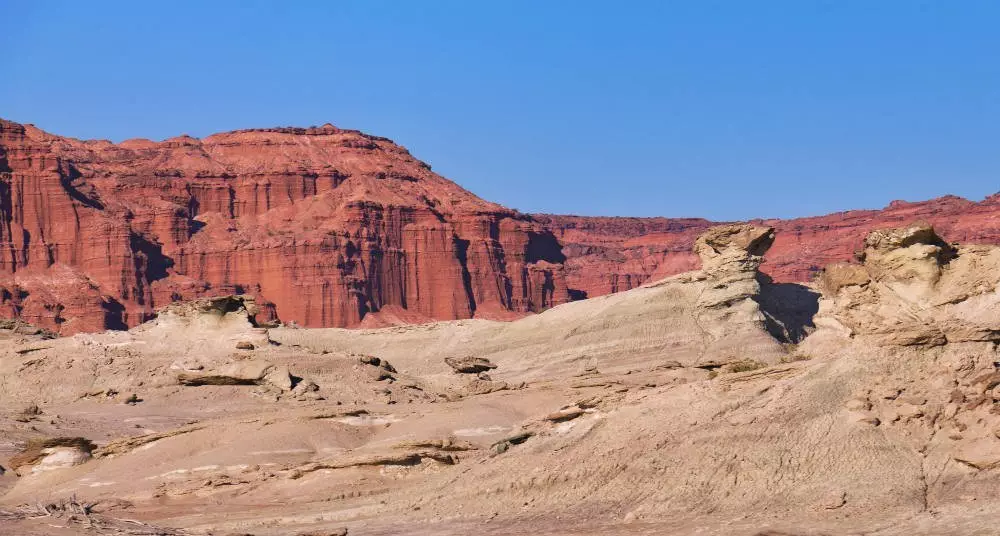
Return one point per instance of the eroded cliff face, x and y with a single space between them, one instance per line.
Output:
323 226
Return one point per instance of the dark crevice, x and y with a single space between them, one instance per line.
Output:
67 181
462 252
217 380
576 294
544 247
114 314
149 258
548 290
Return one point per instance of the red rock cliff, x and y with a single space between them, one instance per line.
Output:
333 227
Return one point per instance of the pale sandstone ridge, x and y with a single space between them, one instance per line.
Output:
913 288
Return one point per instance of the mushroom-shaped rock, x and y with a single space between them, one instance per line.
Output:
727 306
730 256
734 248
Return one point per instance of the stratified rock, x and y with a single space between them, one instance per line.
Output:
324 226
243 372
50 454
730 256
469 365
906 257
733 249
565 414
128 444
728 304
332 227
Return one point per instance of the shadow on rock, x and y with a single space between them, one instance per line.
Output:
788 308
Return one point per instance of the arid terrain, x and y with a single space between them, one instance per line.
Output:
509 268
716 401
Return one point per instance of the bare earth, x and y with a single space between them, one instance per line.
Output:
713 402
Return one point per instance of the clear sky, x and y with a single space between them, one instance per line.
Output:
721 109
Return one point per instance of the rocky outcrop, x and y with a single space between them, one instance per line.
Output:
727 305
327 227
731 255
219 312
913 288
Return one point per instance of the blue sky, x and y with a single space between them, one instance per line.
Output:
720 109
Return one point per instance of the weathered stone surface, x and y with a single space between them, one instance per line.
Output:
50 454
469 364
243 372
914 289
729 303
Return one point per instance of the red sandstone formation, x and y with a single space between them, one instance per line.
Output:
605 255
328 225
332 227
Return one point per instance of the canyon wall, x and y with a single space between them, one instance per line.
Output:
333 227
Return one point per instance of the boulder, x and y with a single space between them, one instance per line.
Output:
908 258
469 365
51 454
